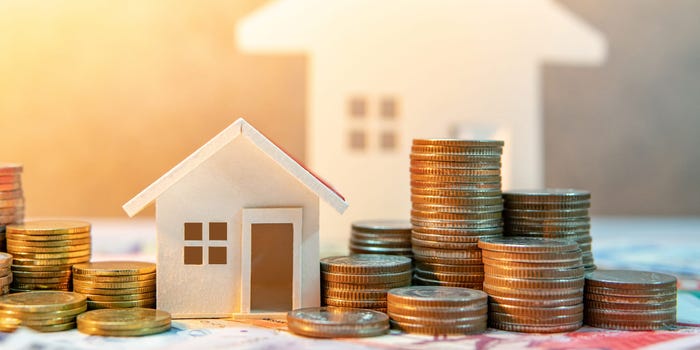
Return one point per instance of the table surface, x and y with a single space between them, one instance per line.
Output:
658 244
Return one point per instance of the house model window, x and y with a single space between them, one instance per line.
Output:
195 243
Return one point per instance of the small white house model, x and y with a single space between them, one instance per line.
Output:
384 72
238 229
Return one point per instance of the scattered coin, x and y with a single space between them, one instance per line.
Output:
131 322
337 322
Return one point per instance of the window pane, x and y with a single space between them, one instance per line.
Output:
357 140
193 255
388 140
217 255
217 231
193 231
388 108
357 107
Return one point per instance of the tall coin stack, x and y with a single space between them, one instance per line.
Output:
630 300
11 198
456 200
437 310
551 213
43 311
44 251
116 284
388 237
5 273
535 285
361 281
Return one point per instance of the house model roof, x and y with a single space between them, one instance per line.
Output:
240 128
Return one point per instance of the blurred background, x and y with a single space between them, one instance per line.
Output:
99 98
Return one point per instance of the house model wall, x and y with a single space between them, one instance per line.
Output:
238 229
384 72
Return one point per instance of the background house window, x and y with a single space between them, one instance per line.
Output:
357 107
387 140
195 243
388 108
358 140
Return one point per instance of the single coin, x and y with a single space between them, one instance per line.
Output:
384 226
534 273
668 291
451 164
644 306
535 320
544 264
421 281
456 149
362 304
381 237
527 245
369 250
50 227
436 296
42 301
41 280
11 186
47 321
459 142
632 315
477 327
9 324
496 230
53 256
366 278
453 179
10 168
561 213
144 303
5 203
48 244
574 255
457 201
632 325
366 264
367 286
456 224
450 238
546 195
333 322
551 302
124 297
516 327
10 178
448 268
447 253
533 293
113 285
44 239
354 294
458 209
451 312
54 328
629 279
40 286
123 291
444 245
124 319
437 322
529 283
124 333
474 277
46 268
434 215
455 192
49 262
447 261
11 194
438 170
568 205
402 242
114 268
5 259
538 312
54 251
24 315
115 279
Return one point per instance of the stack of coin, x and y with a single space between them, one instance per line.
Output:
116 284
361 281
550 213
437 310
44 251
11 198
133 322
630 300
44 311
5 273
456 199
389 237
535 285
337 322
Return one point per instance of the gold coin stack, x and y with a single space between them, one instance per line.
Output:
388 237
44 251
630 300
337 322
437 310
535 285
361 281
116 284
550 213
11 198
43 311
5 273
133 322
456 200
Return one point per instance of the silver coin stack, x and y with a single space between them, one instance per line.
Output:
630 300
550 213
388 237
437 310
535 285
456 200
361 281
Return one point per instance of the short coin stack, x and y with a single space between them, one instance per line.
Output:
550 213
44 251
11 198
361 281
630 300
134 322
389 237
535 285
116 284
437 310
456 199
5 273
337 322
44 311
